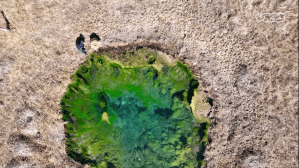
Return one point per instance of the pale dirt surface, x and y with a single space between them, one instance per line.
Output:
248 67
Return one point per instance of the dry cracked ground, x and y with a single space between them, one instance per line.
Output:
244 54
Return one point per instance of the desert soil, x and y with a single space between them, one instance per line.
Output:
244 54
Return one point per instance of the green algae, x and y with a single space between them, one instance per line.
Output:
133 114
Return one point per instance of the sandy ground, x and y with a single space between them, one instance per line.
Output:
244 54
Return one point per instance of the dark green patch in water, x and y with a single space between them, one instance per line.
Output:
132 117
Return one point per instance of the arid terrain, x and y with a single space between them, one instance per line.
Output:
244 54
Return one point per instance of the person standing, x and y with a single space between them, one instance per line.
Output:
94 41
80 45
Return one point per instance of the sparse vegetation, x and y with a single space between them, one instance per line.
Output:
134 116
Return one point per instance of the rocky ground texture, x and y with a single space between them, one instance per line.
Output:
244 54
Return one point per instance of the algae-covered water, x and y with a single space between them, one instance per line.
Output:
132 116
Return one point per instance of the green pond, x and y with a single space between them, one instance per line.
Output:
127 115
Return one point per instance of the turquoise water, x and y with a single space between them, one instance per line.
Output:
131 117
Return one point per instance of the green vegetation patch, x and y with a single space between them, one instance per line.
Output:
130 117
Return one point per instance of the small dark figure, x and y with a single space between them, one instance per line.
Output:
94 36
79 44
94 41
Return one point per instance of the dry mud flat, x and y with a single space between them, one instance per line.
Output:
246 62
